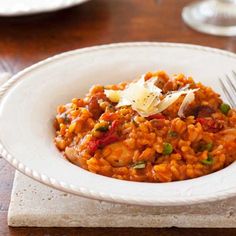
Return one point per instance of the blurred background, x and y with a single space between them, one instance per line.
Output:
27 39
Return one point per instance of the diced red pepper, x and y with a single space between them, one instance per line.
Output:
202 121
114 125
157 116
109 116
110 136
107 138
93 145
210 124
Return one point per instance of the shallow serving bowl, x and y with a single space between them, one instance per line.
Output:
28 106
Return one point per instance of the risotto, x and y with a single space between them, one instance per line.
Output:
155 129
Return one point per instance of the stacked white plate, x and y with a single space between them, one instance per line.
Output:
27 7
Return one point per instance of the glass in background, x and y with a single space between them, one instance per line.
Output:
217 17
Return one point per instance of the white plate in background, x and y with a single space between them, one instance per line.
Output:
30 98
28 7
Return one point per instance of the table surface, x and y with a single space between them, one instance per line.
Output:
26 40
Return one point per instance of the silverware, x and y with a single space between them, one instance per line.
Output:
228 84
5 71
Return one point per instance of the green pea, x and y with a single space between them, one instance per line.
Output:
167 149
224 108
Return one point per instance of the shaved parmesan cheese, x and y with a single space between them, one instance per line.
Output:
144 97
169 100
113 95
187 100
150 84
141 95
184 88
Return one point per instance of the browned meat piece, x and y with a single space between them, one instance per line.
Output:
203 111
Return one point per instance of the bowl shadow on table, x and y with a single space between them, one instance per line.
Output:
122 231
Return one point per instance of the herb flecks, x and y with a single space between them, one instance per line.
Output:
66 118
209 160
102 129
205 147
139 165
172 134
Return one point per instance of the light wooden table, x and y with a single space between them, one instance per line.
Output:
26 40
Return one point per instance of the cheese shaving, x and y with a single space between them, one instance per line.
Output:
187 100
144 97
113 95
169 100
141 96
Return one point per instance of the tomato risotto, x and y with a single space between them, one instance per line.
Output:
154 129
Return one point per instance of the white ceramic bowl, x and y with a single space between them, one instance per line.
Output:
30 98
